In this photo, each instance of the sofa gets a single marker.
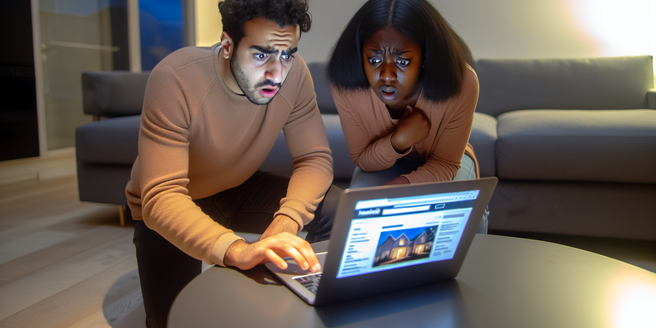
(575, 149)
(572, 142)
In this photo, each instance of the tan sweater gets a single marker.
(198, 138)
(368, 128)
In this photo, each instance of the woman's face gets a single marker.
(392, 63)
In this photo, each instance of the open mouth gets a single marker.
(388, 92)
(268, 91)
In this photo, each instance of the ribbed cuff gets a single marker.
(221, 247)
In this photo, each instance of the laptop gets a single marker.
(392, 238)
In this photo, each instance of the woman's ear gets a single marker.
(227, 46)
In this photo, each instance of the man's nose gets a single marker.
(274, 71)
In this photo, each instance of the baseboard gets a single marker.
(55, 164)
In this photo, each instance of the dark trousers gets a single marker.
(164, 269)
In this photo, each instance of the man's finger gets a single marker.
(275, 259)
(295, 254)
(311, 258)
(282, 245)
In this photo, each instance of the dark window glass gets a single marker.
(162, 30)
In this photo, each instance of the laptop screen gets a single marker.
(392, 233)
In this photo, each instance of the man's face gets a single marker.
(263, 58)
(392, 63)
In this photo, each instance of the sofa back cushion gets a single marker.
(121, 93)
(594, 83)
(113, 93)
(322, 88)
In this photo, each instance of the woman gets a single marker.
(406, 95)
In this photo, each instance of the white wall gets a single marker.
(516, 28)
(207, 21)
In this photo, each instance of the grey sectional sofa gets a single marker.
(575, 145)
(572, 141)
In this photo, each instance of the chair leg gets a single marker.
(121, 211)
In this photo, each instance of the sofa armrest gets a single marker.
(651, 99)
(113, 93)
(484, 140)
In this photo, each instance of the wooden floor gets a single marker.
(66, 263)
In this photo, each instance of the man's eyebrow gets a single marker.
(290, 51)
(268, 50)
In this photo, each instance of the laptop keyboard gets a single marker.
(311, 282)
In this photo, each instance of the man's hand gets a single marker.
(413, 127)
(279, 240)
(246, 256)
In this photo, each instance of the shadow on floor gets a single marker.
(123, 303)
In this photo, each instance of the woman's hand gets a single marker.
(413, 127)
(397, 181)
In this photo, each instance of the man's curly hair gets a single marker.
(234, 13)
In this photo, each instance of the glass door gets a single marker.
(77, 36)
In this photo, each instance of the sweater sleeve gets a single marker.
(444, 161)
(306, 139)
(370, 153)
(163, 165)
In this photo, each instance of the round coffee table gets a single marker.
(504, 282)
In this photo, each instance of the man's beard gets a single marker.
(244, 84)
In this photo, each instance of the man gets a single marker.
(210, 117)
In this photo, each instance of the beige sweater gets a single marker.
(197, 138)
(368, 128)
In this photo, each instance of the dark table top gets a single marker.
(504, 282)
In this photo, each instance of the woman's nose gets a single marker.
(388, 71)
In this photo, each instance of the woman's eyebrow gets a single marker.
(379, 51)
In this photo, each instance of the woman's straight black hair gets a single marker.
(444, 54)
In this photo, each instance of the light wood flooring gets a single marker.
(66, 263)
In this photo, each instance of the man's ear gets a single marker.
(227, 46)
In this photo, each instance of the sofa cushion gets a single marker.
(483, 138)
(279, 160)
(599, 209)
(595, 83)
(110, 141)
(578, 145)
